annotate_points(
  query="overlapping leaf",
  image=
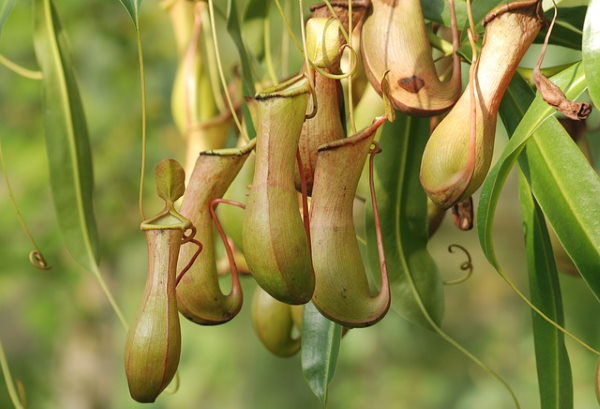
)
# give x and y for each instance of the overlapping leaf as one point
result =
(403, 209)
(67, 141)
(320, 347)
(591, 50)
(563, 182)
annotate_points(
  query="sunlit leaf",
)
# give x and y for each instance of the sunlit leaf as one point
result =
(256, 13)
(403, 209)
(67, 141)
(132, 7)
(568, 28)
(552, 360)
(553, 366)
(320, 347)
(563, 182)
(591, 50)
(235, 31)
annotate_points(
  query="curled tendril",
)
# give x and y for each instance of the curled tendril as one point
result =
(36, 258)
(188, 237)
(465, 266)
(343, 75)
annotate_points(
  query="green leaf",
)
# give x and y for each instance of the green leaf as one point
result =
(255, 14)
(568, 28)
(170, 180)
(234, 29)
(552, 360)
(320, 348)
(5, 11)
(403, 209)
(591, 50)
(67, 141)
(562, 181)
(132, 7)
(439, 10)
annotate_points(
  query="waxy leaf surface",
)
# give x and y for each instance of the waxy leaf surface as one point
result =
(403, 209)
(564, 184)
(67, 141)
(320, 348)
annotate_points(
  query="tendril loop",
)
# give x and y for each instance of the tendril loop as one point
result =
(465, 266)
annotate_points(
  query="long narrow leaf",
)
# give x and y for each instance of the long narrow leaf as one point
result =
(67, 141)
(255, 14)
(591, 50)
(567, 189)
(132, 7)
(403, 208)
(553, 367)
(248, 88)
(320, 347)
(552, 360)
(564, 184)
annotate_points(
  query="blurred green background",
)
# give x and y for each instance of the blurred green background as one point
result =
(66, 345)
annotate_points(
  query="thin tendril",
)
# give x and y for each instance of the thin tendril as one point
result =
(268, 57)
(12, 392)
(455, 343)
(20, 70)
(512, 285)
(109, 296)
(144, 141)
(192, 260)
(285, 47)
(175, 388)
(303, 188)
(333, 13)
(350, 96)
(211, 13)
(538, 64)
(288, 26)
(311, 78)
(36, 257)
(235, 279)
(465, 266)
(212, 69)
(471, 21)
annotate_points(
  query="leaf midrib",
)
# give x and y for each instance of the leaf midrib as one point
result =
(64, 94)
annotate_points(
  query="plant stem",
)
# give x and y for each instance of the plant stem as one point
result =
(211, 13)
(109, 296)
(144, 142)
(12, 392)
(20, 70)
(268, 58)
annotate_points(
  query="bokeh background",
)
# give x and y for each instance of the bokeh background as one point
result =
(65, 344)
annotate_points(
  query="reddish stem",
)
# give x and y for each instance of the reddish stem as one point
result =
(235, 280)
(304, 194)
(380, 249)
(189, 239)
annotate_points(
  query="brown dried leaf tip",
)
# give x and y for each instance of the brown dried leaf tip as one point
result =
(554, 96)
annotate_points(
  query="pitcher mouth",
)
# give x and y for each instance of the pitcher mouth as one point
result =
(293, 87)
